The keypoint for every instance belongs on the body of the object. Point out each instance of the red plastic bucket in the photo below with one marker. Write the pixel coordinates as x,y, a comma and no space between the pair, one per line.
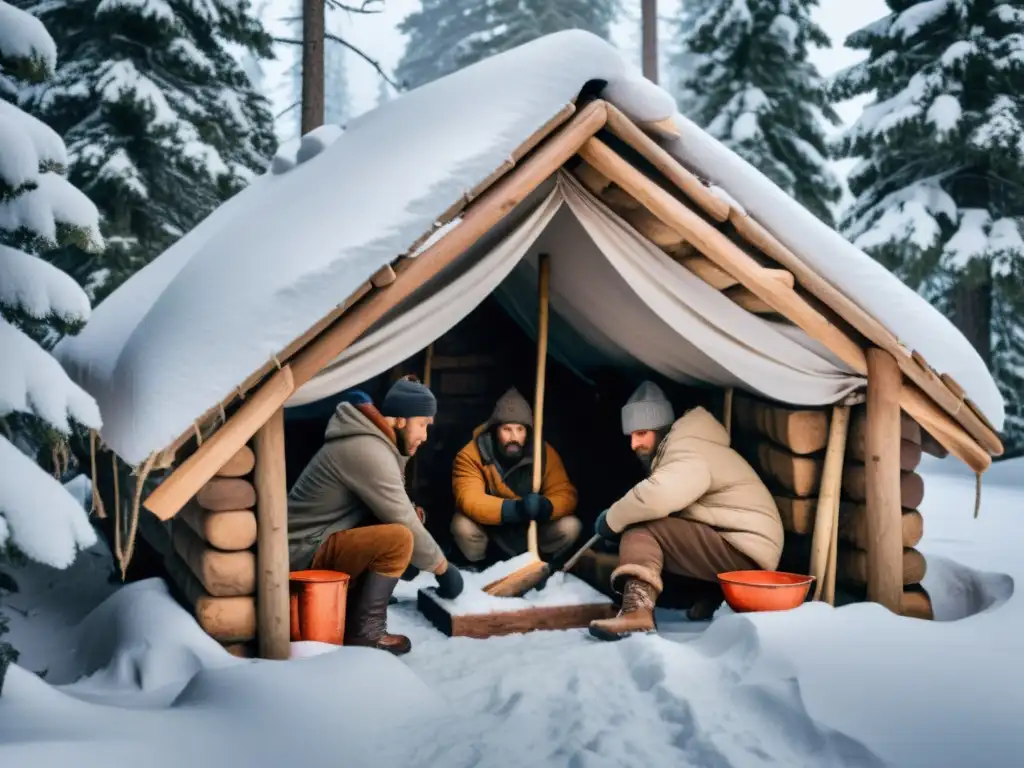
317,602
747,591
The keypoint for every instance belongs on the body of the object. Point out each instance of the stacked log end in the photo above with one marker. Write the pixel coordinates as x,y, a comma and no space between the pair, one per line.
213,562
786,446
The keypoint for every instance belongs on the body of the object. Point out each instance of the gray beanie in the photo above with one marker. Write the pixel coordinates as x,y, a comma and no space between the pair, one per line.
647,408
512,408
408,399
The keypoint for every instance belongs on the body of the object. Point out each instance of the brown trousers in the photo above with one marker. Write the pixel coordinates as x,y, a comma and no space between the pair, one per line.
385,549
554,538
691,550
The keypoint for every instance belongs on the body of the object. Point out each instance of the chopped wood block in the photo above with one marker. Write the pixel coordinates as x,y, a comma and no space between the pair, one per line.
241,650
798,517
855,486
653,228
799,474
230,530
801,431
909,453
932,447
225,619
852,566
619,200
222,574
853,525
591,178
240,464
226,493
909,429
709,272
917,604
511,622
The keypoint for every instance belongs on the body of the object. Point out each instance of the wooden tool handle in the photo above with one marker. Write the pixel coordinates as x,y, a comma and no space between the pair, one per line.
543,275
579,553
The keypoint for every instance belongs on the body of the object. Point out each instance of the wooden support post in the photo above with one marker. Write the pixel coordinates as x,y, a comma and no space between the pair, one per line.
827,515
272,610
882,480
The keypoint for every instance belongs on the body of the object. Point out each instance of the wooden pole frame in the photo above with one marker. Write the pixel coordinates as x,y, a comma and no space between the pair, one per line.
826,518
882,476
273,633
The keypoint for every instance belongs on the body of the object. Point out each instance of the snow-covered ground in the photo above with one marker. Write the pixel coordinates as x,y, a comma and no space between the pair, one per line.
812,687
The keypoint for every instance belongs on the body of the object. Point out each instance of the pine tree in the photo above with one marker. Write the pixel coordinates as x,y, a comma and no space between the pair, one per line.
384,94
161,121
447,35
746,79
940,184
39,210
683,60
336,99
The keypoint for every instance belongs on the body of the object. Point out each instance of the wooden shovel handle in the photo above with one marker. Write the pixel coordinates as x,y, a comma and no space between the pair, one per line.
543,282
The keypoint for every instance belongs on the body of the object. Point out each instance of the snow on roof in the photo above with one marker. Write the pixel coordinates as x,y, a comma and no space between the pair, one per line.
183,332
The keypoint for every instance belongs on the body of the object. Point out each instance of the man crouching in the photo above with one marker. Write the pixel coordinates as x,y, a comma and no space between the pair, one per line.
492,481
349,510
701,511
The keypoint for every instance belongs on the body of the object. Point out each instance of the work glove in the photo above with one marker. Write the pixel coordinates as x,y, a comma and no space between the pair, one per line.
410,573
513,511
602,529
538,507
449,582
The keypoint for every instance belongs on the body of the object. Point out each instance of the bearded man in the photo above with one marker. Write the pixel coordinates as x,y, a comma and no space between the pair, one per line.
701,511
492,480
349,510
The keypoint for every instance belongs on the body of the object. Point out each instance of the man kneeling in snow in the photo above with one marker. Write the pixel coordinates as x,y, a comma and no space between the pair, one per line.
492,480
349,510
701,511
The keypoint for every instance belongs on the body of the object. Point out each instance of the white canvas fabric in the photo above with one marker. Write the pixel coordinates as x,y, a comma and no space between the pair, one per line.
622,300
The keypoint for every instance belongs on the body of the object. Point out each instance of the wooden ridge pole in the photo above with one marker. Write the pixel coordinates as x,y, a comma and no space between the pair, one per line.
882,477
273,633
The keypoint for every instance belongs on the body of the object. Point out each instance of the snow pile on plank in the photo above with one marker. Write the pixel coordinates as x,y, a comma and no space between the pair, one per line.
181,334
561,590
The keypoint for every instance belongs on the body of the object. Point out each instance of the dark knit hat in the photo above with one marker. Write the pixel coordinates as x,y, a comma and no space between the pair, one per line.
512,408
408,399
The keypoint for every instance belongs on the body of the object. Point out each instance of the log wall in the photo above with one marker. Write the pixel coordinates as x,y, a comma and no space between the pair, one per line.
786,446
212,558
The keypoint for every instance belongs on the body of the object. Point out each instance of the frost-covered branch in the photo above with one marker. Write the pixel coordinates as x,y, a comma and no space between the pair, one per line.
355,49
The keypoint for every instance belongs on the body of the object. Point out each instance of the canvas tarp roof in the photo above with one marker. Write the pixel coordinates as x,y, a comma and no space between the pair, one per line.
187,330
615,297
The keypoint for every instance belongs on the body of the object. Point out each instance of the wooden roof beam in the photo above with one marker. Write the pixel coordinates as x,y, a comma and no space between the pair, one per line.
175,491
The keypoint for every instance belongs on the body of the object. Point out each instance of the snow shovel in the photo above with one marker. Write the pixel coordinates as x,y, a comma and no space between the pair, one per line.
526,578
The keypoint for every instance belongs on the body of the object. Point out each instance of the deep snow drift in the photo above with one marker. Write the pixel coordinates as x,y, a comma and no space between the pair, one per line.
811,687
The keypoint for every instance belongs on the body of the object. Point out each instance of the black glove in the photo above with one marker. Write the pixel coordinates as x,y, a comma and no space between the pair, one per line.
449,583
513,511
410,573
538,507
602,529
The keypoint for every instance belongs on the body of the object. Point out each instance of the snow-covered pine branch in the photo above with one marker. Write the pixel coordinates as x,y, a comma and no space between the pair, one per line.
939,186
161,121
39,210
741,70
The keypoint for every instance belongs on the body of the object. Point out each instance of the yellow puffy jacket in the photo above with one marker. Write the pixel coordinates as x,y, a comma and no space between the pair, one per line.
479,488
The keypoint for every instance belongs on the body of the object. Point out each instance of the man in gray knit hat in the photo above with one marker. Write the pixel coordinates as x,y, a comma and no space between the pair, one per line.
349,510
492,480
701,511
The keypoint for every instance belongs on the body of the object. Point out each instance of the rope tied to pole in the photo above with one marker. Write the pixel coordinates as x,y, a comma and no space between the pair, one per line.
977,494
141,474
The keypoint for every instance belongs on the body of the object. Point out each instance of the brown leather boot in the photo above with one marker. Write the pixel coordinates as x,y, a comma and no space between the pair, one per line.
635,615
366,623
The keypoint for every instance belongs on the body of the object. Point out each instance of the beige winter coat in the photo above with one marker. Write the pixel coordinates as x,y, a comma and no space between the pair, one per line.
696,475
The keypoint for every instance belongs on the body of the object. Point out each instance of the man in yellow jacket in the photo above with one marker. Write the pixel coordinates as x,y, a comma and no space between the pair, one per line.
492,480
701,511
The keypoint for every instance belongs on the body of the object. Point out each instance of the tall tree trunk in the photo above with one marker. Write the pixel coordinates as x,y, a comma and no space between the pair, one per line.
313,28
972,309
649,27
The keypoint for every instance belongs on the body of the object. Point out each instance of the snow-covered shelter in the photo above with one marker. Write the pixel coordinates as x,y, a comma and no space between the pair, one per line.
668,253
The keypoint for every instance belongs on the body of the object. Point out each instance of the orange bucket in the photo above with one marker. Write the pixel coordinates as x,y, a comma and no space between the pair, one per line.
317,602
747,591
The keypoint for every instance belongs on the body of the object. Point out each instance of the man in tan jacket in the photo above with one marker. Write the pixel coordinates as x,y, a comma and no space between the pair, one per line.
701,511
